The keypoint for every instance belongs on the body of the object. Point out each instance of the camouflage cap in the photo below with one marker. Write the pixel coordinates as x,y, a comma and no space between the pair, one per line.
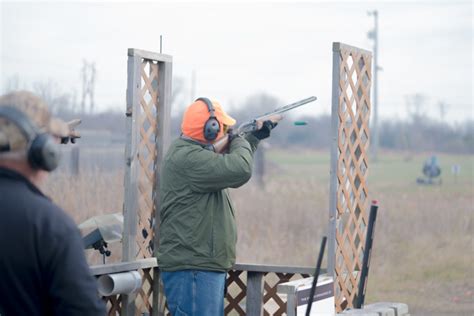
37,111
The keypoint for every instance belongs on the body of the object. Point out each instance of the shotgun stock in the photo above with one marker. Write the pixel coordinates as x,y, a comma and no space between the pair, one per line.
222,144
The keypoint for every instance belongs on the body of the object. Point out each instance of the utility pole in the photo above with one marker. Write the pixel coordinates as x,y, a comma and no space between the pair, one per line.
88,82
374,35
442,109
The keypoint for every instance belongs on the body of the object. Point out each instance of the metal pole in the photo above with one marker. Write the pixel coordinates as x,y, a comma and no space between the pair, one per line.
161,44
374,34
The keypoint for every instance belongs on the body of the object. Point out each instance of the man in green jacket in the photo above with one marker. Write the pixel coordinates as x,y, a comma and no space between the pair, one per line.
198,233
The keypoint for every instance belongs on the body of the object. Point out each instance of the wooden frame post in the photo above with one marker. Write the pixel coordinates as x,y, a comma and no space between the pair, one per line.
162,143
334,158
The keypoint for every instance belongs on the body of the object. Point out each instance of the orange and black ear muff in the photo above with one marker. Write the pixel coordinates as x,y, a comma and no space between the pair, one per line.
212,126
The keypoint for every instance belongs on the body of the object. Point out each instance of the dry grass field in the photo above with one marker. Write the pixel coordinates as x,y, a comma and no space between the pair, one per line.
423,250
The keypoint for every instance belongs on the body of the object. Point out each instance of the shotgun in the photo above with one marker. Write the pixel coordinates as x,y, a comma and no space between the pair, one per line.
222,144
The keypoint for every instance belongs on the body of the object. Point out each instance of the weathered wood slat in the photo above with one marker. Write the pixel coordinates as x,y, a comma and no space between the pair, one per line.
162,140
338,47
124,266
131,174
150,55
131,160
254,293
272,268
333,195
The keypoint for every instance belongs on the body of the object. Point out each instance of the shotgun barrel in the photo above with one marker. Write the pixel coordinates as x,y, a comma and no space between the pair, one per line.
369,240
316,274
221,145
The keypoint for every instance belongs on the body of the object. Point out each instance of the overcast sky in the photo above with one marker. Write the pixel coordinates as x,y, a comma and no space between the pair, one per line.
238,49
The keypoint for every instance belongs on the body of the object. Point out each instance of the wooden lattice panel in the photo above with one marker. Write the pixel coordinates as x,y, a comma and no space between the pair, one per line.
147,157
273,304
351,113
113,305
236,293
143,302
148,112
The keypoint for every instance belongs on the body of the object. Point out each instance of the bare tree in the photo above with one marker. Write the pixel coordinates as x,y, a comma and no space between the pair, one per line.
58,102
415,105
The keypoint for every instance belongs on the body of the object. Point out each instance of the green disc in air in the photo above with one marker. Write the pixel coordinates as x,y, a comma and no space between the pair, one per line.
301,123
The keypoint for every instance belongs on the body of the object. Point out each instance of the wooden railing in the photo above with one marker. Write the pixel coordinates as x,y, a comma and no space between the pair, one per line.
251,288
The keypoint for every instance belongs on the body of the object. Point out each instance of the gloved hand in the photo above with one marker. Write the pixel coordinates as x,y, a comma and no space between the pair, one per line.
264,132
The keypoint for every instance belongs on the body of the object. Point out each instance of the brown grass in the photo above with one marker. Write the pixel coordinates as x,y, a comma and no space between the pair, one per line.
87,195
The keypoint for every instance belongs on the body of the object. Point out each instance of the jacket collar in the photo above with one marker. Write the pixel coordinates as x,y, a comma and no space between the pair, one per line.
207,146
16,176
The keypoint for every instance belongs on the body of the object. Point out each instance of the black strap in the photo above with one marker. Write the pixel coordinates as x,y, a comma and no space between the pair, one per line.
210,107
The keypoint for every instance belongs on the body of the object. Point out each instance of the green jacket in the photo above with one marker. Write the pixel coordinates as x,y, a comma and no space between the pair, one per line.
197,229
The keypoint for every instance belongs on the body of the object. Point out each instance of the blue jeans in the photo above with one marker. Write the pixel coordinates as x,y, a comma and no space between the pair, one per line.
194,292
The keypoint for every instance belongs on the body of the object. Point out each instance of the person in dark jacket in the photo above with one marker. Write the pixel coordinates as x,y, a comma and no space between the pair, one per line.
197,232
43,270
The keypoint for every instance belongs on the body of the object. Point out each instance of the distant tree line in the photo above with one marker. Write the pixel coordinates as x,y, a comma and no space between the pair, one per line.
418,133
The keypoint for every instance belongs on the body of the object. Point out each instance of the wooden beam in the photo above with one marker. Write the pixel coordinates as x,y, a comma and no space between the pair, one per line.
254,305
272,268
133,52
131,160
123,266
337,47
130,206
333,188
161,143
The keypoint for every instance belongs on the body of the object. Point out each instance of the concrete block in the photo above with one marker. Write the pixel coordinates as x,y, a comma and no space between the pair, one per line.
380,310
358,312
400,309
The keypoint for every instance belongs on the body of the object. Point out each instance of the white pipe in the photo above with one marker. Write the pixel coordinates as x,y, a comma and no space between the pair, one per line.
119,283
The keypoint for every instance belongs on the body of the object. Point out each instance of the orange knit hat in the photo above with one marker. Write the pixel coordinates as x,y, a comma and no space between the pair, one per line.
197,114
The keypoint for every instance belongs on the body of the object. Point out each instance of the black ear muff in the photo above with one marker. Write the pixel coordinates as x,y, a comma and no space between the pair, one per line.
212,126
43,152
211,129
